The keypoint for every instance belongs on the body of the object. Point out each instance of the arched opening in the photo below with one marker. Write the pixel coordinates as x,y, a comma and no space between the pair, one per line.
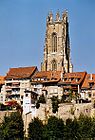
62,63
54,42
54,65
46,65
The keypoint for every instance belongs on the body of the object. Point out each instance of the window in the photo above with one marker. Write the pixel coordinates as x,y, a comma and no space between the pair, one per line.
46,65
21,102
1,98
54,65
54,42
62,63
91,84
26,95
21,96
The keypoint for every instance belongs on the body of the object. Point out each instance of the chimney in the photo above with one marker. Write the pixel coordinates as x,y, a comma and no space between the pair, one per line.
91,77
61,75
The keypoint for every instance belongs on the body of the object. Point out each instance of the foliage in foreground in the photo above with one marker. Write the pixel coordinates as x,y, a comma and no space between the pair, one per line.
12,127
35,130
55,129
77,129
55,103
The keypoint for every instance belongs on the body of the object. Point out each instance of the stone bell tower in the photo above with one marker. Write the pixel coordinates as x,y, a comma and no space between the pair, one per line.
57,44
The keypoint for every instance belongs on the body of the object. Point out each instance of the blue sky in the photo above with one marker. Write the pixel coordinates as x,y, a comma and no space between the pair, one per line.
22,32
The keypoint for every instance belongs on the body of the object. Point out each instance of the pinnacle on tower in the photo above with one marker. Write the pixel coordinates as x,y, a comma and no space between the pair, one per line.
57,16
50,17
65,15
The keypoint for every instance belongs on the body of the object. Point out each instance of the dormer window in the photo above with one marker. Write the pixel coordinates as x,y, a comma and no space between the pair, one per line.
35,79
77,79
42,79
91,84
39,79
72,79
65,79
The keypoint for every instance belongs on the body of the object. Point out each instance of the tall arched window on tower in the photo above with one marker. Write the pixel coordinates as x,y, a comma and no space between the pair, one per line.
54,42
54,65
46,65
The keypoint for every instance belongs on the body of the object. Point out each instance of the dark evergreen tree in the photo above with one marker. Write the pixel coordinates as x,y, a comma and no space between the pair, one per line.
35,130
54,130
42,99
55,103
37,105
71,130
85,127
93,128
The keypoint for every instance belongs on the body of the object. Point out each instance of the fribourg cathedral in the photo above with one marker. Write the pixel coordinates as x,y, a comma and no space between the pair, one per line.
57,44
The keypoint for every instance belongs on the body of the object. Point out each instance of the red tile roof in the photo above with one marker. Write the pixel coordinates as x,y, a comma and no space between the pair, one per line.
46,76
21,72
2,79
74,78
89,79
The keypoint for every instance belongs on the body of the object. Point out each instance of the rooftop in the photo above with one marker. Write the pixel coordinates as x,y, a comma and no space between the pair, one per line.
89,81
47,76
21,72
2,78
74,78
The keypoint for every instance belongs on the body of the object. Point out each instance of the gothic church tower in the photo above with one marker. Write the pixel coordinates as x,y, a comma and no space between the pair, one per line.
57,45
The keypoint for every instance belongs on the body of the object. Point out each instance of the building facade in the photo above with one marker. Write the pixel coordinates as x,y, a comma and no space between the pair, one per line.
57,44
17,81
88,88
2,89
45,82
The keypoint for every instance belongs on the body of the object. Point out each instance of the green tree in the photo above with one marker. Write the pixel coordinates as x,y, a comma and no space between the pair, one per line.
35,130
93,128
55,103
12,127
54,130
71,96
63,98
37,104
71,130
85,127
42,99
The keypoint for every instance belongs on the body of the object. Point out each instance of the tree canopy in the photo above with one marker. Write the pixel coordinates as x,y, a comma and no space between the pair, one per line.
12,127
35,129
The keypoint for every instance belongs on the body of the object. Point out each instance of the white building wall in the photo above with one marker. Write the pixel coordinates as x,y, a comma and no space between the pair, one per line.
2,95
26,103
